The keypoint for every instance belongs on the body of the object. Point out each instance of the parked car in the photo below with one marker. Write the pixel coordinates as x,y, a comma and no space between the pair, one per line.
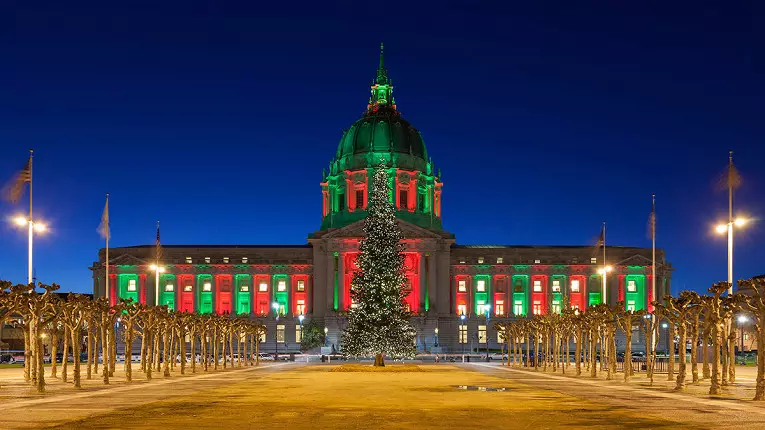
498,356
7,359
264,356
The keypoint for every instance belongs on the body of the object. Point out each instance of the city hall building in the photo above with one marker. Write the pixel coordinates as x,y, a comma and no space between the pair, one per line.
446,281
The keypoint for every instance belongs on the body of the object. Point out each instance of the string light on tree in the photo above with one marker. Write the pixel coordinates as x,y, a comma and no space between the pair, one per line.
379,323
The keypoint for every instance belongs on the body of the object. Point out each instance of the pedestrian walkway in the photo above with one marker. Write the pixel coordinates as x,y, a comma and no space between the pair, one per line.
63,403
692,406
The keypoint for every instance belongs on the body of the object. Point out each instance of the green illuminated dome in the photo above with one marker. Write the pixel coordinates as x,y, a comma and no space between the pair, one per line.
382,134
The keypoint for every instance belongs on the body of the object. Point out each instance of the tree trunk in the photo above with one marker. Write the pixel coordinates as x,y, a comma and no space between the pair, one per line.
158,349
27,352
53,353
759,393
714,388
578,353
257,349
593,354
671,352
379,361
695,351
724,353
612,354
182,344
192,337
76,354
231,346
731,351
628,350
95,347
680,383
166,353
215,347
142,352
129,334
706,372
64,355
149,334
546,349
39,360
112,347
238,349
105,347
203,344
89,370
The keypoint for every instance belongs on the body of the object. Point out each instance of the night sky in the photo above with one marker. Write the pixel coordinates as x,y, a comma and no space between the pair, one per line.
218,120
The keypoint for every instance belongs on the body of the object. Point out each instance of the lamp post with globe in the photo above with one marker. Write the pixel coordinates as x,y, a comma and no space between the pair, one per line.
276,331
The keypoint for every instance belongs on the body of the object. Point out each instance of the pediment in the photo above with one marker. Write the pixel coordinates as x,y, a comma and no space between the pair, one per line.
127,259
636,260
409,230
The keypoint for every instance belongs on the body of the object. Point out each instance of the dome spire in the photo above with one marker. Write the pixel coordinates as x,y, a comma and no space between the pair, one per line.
382,89
382,72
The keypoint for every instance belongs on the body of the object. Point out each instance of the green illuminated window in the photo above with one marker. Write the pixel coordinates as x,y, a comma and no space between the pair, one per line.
594,299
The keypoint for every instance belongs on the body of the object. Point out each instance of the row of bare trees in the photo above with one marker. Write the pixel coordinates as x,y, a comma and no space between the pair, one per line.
167,338
705,320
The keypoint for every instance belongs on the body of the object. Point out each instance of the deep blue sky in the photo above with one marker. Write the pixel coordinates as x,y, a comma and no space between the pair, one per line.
545,122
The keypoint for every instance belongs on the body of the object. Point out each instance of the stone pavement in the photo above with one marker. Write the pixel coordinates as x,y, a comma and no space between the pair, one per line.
22,407
692,407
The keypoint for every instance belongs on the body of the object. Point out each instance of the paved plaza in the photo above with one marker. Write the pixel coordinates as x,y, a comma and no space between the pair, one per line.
475,395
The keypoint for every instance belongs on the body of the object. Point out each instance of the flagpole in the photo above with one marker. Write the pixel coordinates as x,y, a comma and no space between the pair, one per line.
605,267
108,233
652,340
30,223
730,225
653,246
156,274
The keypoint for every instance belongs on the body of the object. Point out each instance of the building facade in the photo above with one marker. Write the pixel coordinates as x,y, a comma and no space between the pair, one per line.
445,281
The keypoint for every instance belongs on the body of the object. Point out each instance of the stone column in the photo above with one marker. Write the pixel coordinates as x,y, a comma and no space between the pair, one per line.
529,295
194,293
316,299
330,281
433,283
424,282
444,285
214,293
252,294
341,282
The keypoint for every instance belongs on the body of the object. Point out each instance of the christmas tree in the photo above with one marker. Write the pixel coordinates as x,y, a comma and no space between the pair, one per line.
378,322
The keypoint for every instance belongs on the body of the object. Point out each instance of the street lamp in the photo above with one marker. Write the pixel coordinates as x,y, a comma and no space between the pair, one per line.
157,270
603,272
487,310
275,305
33,226
462,341
436,338
728,228
742,319
326,331
301,317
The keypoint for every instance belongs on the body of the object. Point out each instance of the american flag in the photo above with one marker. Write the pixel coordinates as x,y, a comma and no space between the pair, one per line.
601,239
103,228
15,187
158,252
652,221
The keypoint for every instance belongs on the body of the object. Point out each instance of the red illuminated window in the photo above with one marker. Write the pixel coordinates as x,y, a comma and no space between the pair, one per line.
359,199
403,199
